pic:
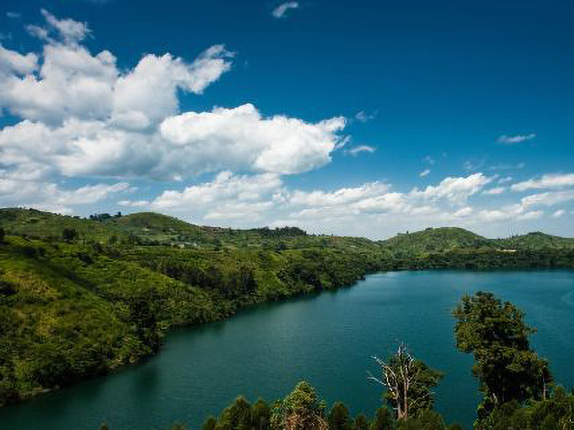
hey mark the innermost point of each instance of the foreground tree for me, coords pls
(300, 410)
(507, 368)
(408, 382)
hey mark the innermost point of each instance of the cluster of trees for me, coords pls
(517, 387)
(104, 216)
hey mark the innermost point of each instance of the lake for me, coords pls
(327, 339)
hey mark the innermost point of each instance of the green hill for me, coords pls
(536, 240)
(433, 240)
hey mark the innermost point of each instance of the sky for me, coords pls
(363, 118)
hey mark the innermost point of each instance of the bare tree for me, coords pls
(408, 383)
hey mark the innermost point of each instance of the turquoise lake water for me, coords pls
(327, 339)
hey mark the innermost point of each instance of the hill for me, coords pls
(433, 240)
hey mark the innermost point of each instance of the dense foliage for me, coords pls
(79, 297)
(517, 387)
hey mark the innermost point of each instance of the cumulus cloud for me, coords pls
(424, 173)
(68, 30)
(546, 181)
(247, 200)
(281, 10)
(95, 119)
(16, 191)
(12, 62)
(453, 189)
(242, 137)
(514, 139)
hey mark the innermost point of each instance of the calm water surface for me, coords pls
(327, 339)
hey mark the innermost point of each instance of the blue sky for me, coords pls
(364, 118)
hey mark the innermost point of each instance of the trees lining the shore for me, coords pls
(517, 386)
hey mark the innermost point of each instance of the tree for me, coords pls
(2, 234)
(300, 410)
(408, 382)
(210, 423)
(339, 417)
(260, 415)
(383, 419)
(361, 422)
(69, 234)
(237, 416)
(507, 368)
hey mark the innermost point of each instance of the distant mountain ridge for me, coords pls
(446, 239)
(153, 228)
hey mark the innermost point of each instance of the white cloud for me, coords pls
(356, 150)
(342, 196)
(548, 199)
(546, 181)
(424, 173)
(228, 197)
(363, 116)
(15, 191)
(494, 191)
(148, 93)
(13, 15)
(519, 138)
(14, 62)
(558, 213)
(281, 10)
(67, 30)
(453, 189)
(95, 119)
(242, 137)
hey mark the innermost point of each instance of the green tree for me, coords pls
(236, 417)
(2, 234)
(507, 368)
(300, 410)
(69, 234)
(361, 422)
(210, 423)
(260, 415)
(339, 417)
(383, 419)
(408, 383)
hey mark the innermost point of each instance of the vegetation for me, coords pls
(80, 297)
(302, 409)
(516, 383)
